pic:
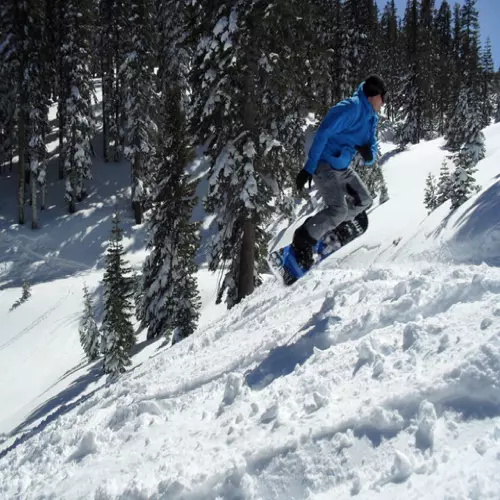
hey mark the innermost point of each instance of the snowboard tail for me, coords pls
(284, 264)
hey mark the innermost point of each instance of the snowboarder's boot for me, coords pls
(302, 246)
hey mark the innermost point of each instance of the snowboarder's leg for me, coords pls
(360, 198)
(331, 187)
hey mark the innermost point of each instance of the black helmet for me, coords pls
(374, 85)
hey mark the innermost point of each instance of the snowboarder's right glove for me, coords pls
(302, 178)
(366, 152)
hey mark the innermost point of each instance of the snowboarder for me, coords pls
(349, 126)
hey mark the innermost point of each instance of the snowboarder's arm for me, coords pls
(337, 119)
(373, 145)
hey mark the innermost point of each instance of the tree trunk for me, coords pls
(136, 174)
(73, 175)
(42, 196)
(247, 258)
(62, 152)
(34, 214)
(22, 173)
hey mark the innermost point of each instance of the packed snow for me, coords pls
(377, 375)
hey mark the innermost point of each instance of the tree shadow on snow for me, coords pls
(282, 360)
(60, 404)
(477, 235)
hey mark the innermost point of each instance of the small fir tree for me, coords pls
(430, 195)
(90, 338)
(444, 184)
(117, 330)
(463, 183)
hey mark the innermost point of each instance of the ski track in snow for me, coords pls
(386, 370)
(36, 322)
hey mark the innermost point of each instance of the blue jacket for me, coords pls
(352, 122)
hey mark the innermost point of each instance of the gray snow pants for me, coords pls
(333, 186)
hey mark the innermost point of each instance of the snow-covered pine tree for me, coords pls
(427, 61)
(37, 92)
(246, 108)
(444, 65)
(410, 96)
(444, 184)
(359, 47)
(463, 183)
(137, 71)
(469, 97)
(108, 71)
(117, 330)
(170, 292)
(487, 88)
(455, 79)
(79, 119)
(90, 337)
(8, 83)
(430, 194)
(390, 55)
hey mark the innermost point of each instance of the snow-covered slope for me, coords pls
(376, 376)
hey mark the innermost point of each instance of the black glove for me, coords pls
(302, 178)
(366, 152)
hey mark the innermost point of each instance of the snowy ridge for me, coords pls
(367, 396)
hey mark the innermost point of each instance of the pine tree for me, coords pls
(444, 184)
(463, 183)
(427, 60)
(78, 114)
(137, 71)
(430, 195)
(9, 61)
(488, 80)
(411, 92)
(472, 151)
(390, 55)
(171, 299)
(456, 78)
(38, 93)
(90, 338)
(245, 99)
(444, 65)
(117, 330)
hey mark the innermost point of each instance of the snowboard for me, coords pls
(282, 261)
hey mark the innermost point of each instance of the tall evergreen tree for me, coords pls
(411, 93)
(245, 105)
(9, 60)
(90, 337)
(390, 55)
(137, 71)
(38, 93)
(488, 82)
(427, 60)
(463, 184)
(117, 330)
(78, 90)
(469, 99)
(170, 298)
(444, 65)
